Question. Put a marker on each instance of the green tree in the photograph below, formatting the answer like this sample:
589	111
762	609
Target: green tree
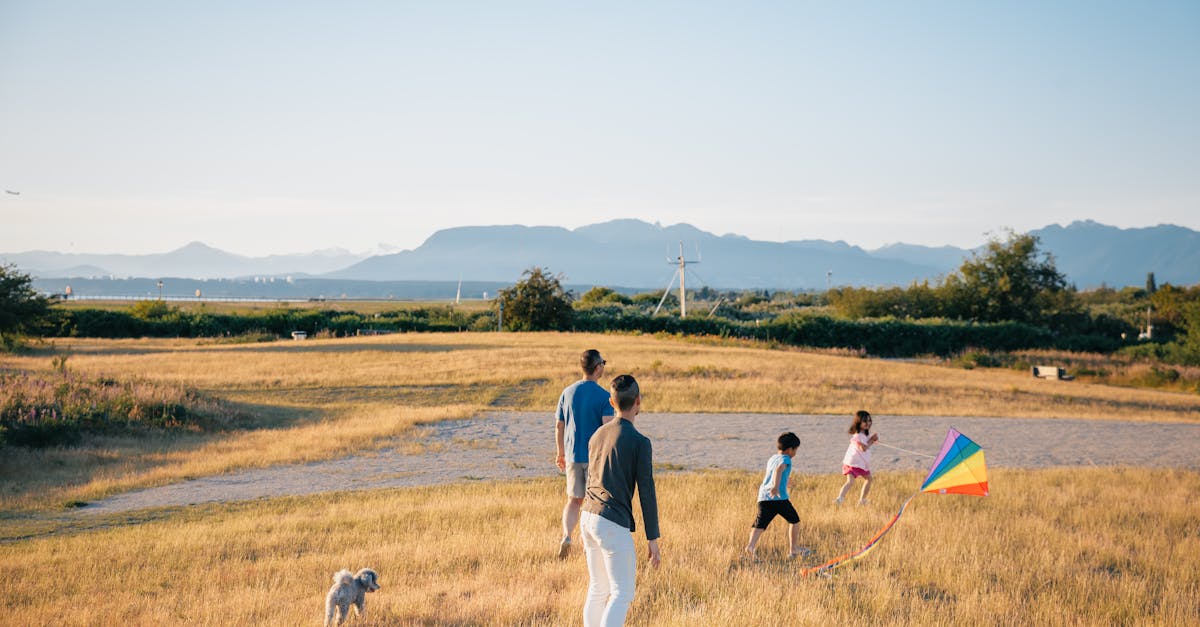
919	300
152	309
1151	284
750	297
604	295
652	299
1191	340
538	302
1169	302
1010	280
22	310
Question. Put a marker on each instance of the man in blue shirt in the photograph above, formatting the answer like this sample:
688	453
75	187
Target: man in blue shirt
582	408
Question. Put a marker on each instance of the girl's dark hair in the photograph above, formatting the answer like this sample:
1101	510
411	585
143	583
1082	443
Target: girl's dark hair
857	425
788	440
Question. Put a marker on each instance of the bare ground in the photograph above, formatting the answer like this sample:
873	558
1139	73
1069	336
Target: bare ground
514	445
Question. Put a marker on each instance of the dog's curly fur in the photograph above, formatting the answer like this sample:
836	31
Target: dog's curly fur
349	588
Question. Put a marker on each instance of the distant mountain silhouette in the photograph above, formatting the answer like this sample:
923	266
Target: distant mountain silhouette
195	260
635	254
1091	254
945	258
640	255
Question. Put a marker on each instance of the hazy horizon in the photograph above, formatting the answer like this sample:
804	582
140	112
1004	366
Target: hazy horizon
137	127
386	248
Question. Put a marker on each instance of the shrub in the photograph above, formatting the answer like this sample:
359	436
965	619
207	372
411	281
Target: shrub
57	409
152	310
600	294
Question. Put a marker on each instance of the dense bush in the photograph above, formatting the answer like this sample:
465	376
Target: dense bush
280	323
919	300
605	295
886	337
603	310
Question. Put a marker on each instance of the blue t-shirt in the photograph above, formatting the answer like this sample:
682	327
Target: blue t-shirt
773	463
582	406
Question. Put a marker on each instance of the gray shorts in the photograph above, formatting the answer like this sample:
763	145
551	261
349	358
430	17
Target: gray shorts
576	480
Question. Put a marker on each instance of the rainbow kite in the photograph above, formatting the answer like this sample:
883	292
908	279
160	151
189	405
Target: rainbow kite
958	469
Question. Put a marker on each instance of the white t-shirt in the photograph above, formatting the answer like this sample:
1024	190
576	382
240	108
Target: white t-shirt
854	456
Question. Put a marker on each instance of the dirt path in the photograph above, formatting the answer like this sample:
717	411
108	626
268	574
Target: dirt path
508	445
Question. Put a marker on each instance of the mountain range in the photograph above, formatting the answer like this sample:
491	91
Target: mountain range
195	260
636	254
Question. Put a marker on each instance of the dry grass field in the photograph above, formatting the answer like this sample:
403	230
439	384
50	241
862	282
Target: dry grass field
1058	546
1051	547
320	399
683	376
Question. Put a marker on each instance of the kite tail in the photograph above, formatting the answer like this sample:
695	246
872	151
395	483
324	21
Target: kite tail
841	559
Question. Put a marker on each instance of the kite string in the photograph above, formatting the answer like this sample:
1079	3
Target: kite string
904	450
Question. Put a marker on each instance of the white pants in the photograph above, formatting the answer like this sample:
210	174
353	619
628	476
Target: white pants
610	560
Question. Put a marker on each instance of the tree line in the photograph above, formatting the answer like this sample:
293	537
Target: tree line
1008	296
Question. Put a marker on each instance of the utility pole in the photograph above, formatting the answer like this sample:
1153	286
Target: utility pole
682	281
160	289
682	292
680	271
500	317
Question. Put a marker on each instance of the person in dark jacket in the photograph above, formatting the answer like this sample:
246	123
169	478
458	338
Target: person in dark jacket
620	462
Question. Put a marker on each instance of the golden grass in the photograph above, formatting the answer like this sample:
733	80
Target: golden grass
677	376
1049	547
1093	546
320	399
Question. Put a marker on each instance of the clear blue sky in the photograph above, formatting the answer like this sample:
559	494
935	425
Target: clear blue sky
291	126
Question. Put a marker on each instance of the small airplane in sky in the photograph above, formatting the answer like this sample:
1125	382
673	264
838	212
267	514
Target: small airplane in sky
9	191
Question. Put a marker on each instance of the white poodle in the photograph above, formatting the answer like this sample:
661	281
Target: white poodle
347	589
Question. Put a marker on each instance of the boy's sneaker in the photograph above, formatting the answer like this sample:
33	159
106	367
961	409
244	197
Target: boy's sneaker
564	548
862	501
837	501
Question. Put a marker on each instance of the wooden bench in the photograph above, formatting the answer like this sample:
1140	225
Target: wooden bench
373	332
1051	372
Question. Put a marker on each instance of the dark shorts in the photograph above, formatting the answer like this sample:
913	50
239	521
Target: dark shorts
768	510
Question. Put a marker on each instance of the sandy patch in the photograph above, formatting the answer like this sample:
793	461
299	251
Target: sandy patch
514	445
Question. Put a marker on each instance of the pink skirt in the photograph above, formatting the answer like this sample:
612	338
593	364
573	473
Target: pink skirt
855	471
